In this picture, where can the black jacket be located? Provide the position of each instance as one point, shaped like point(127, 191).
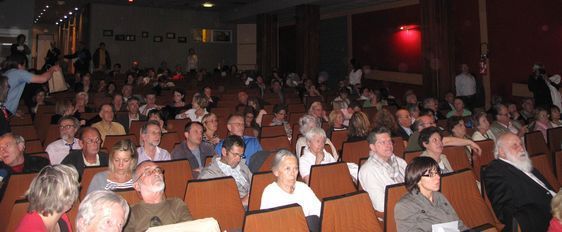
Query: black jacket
point(124, 120)
point(31, 164)
point(76, 159)
point(513, 194)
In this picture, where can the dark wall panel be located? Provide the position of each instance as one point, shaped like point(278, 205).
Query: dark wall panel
point(333, 48)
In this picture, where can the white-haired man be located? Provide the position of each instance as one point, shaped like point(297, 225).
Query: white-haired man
point(102, 211)
point(515, 189)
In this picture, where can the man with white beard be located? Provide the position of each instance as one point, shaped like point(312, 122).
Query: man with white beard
point(154, 209)
point(518, 192)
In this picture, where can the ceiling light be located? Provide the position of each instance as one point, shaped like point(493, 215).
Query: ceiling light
point(75, 8)
point(44, 10)
point(70, 12)
point(65, 16)
point(208, 4)
point(57, 23)
point(46, 6)
point(41, 13)
point(60, 20)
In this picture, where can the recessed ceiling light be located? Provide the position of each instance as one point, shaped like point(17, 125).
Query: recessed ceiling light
point(208, 4)
point(41, 13)
point(57, 23)
point(70, 12)
point(60, 20)
point(44, 10)
point(65, 16)
point(46, 6)
point(75, 8)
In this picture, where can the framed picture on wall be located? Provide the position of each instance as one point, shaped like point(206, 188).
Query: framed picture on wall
point(222, 36)
point(157, 39)
point(130, 38)
point(107, 33)
point(120, 37)
point(144, 34)
point(182, 39)
point(170, 35)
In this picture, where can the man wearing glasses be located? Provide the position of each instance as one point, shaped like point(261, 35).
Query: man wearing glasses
point(503, 123)
point(90, 155)
point(229, 164)
point(59, 149)
point(235, 126)
point(154, 209)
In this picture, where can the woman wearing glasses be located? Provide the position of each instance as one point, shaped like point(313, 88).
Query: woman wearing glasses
point(122, 162)
point(423, 205)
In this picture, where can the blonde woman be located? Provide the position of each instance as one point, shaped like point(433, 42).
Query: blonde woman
point(359, 127)
point(122, 162)
point(51, 193)
point(210, 126)
point(198, 110)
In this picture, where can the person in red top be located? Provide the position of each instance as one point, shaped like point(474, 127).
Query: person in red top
point(13, 160)
point(51, 193)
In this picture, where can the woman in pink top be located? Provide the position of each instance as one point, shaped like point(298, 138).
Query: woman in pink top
point(50, 195)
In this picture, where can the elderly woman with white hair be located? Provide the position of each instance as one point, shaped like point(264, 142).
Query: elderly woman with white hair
point(287, 190)
point(306, 123)
point(314, 154)
point(51, 194)
point(102, 211)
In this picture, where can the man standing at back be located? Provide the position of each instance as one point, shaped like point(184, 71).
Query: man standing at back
point(193, 149)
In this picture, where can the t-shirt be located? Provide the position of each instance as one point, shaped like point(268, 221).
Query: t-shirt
point(197, 154)
point(273, 196)
point(170, 211)
point(17, 79)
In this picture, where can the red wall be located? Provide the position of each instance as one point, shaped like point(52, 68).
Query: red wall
point(520, 34)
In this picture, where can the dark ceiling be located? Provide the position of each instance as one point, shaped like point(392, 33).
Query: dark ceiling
point(231, 10)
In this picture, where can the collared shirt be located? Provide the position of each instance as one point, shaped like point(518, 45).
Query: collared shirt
point(113, 129)
point(59, 149)
point(375, 174)
point(252, 145)
point(532, 176)
point(444, 164)
point(510, 126)
point(97, 163)
point(133, 119)
point(408, 130)
point(242, 184)
point(160, 155)
point(465, 84)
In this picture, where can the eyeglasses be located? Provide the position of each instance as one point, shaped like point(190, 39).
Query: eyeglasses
point(239, 155)
point(389, 142)
point(432, 174)
point(150, 172)
point(66, 127)
point(92, 141)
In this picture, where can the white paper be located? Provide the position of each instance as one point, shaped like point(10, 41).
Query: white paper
point(446, 227)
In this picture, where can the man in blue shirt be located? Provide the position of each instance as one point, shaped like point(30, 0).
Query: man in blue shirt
point(18, 77)
point(235, 125)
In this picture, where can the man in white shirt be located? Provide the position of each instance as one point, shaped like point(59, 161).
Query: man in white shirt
point(57, 150)
point(517, 190)
point(404, 123)
point(382, 168)
point(149, 141)
point(465, 84)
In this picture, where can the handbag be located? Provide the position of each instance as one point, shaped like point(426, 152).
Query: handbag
point(57, 83)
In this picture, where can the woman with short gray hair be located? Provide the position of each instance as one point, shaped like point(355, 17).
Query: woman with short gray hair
point(306, 123)
point(51, 193)
point(287, 190)
point(314, 152)
point(102, 211)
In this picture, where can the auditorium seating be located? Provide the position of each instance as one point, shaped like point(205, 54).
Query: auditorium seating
point(18, 212)
point(87, 176)
point(392, 195)
point(399, 146)
point(350, 212)
point(130, 195)
point(176, 175)
point(535, 144)
point(354, 151)
point(338, 139)
point(33, 146)
point(15, 190)
point(542, 163)
point(275, 143)
point(457, 157)
point(260, 180)
point(110, 140)
point(279, 219)
point(328, 180)
point(485, 157)
point(273, 131)
point(558, 165)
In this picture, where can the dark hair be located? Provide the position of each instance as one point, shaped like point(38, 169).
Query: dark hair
point(476, 118)
point(179, 91)
point(452, 122)
point(496, 110)
point(188, 126)
point(278, 107)
point(133, 98)
point(233, 140)
point(418, 167)
point(426, 133)
point(353, 104)
point(428, 112)
point(3, 83)
point(13, 61)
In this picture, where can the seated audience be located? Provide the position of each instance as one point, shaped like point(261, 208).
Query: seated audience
point(193, 148)
point(81, 103)
point(178, 104)
point(51, 194)
point(133, 114)
point(5, 116)
point(197, 111)
point(57, 150)
point(555, 224)
point(555, 116)
point(384, 118)
point(359, 127)
point(150, 99)
point(516, 189)
point(39, 100)
point(432, 104)
point(413, 109)
point(432, 143)
point(513, 112)
point(459, 109)
point(482, 125)
point(404, 124)
point(157, 115)
point(250, 121)
point(306, 123)
point(316, 109)
point(314, 152)
point(235, 126)
point(382, 168)
point(117, 103)
point(527, 110)
point(280, 119)
point(90, 155)
point(541, 123)
point(211, 99)
point(13, 160)
point(210, 126)
point(154, 209)
point(107, 126)
point(229, 164)
point(122, 162)
point(374, 100)
point(102, 211)
point(150, 137)
point(447, 102)
point(423, 182)
point(287, 190)
point(342, 98)
point(410, 98)
point(504, 124)
point(335, 122)
point(63, 107)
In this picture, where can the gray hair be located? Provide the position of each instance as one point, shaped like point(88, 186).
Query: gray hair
point(306, 123)
point(372, 138)
point(279, 156)
point(316, 131)
point(499, 145)
point(95, 202)
point(53, 190)
point(71, 118)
